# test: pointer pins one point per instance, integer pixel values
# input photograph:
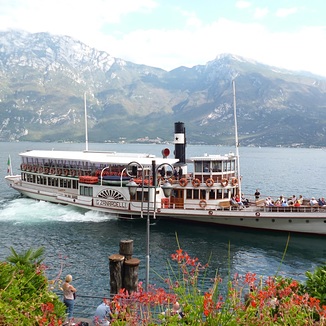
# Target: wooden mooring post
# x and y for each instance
(124, 269)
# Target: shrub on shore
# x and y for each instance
(25, 298)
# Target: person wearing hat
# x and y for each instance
(313, 201)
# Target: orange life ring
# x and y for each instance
(209, 182)
(46, 170)
(52, 171)
(35, 168)
(196, 182)
(224, 182)
(202, 203)
(183, 182)
(234, 181)
(23, 167)
(40, 170)
(65, 172)
(29, 168)
(59, 172)
(73, 172)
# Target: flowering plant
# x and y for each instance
(247, 300)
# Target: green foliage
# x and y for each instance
(316, 283)
(29, 257)
(25, 298)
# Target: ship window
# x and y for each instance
(225, 193)
(139, 196)
(196, 194)
(232, 165)
(219, 194)
(206, 167)
(212, 194)
(202, 194)
(189, 194)
(217, 166)
(86, 191)
(198, 166)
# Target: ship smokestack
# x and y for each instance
(180, 142)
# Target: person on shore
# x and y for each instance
(103, 314)
(175, 311)
(68, 298)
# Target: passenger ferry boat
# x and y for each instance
(131, 185)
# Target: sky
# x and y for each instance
(289, 34)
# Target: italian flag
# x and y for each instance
(9, 168)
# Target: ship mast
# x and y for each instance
(236, 136)
(86, 130)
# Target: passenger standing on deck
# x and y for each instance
(180, 172)
(68, 298)
(257, 194)
(163, 172)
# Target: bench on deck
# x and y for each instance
(227, 205)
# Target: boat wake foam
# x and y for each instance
(24, 210)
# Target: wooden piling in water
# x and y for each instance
(116, 270)
(124, 269)
(126, 248)
(130, 279)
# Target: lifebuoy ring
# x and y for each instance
(52, 171)
(35, 168)
(234, 181)
(224, 182)
(196, 182)
(23, 167)
(202, 203)
(257, 214)
(73, 172)
(65, 172)
(183, 182)
(29, 168)
(209, 182)
(46, 170)
(210, 212)
(40, 170)
(59, 172)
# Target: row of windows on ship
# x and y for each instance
(88, 191)
(82, 167)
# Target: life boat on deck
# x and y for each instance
(88, 179)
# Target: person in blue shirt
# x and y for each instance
(102, 314)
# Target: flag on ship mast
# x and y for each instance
(9, 167)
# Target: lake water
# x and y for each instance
(80, 241)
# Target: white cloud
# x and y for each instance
(284, 12)
(197, 43)
(260, 12)
(242, 4)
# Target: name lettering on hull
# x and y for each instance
(110, 203)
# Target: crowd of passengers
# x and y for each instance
(294, 201)
(243, 202)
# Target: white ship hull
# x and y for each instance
(306, 219)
